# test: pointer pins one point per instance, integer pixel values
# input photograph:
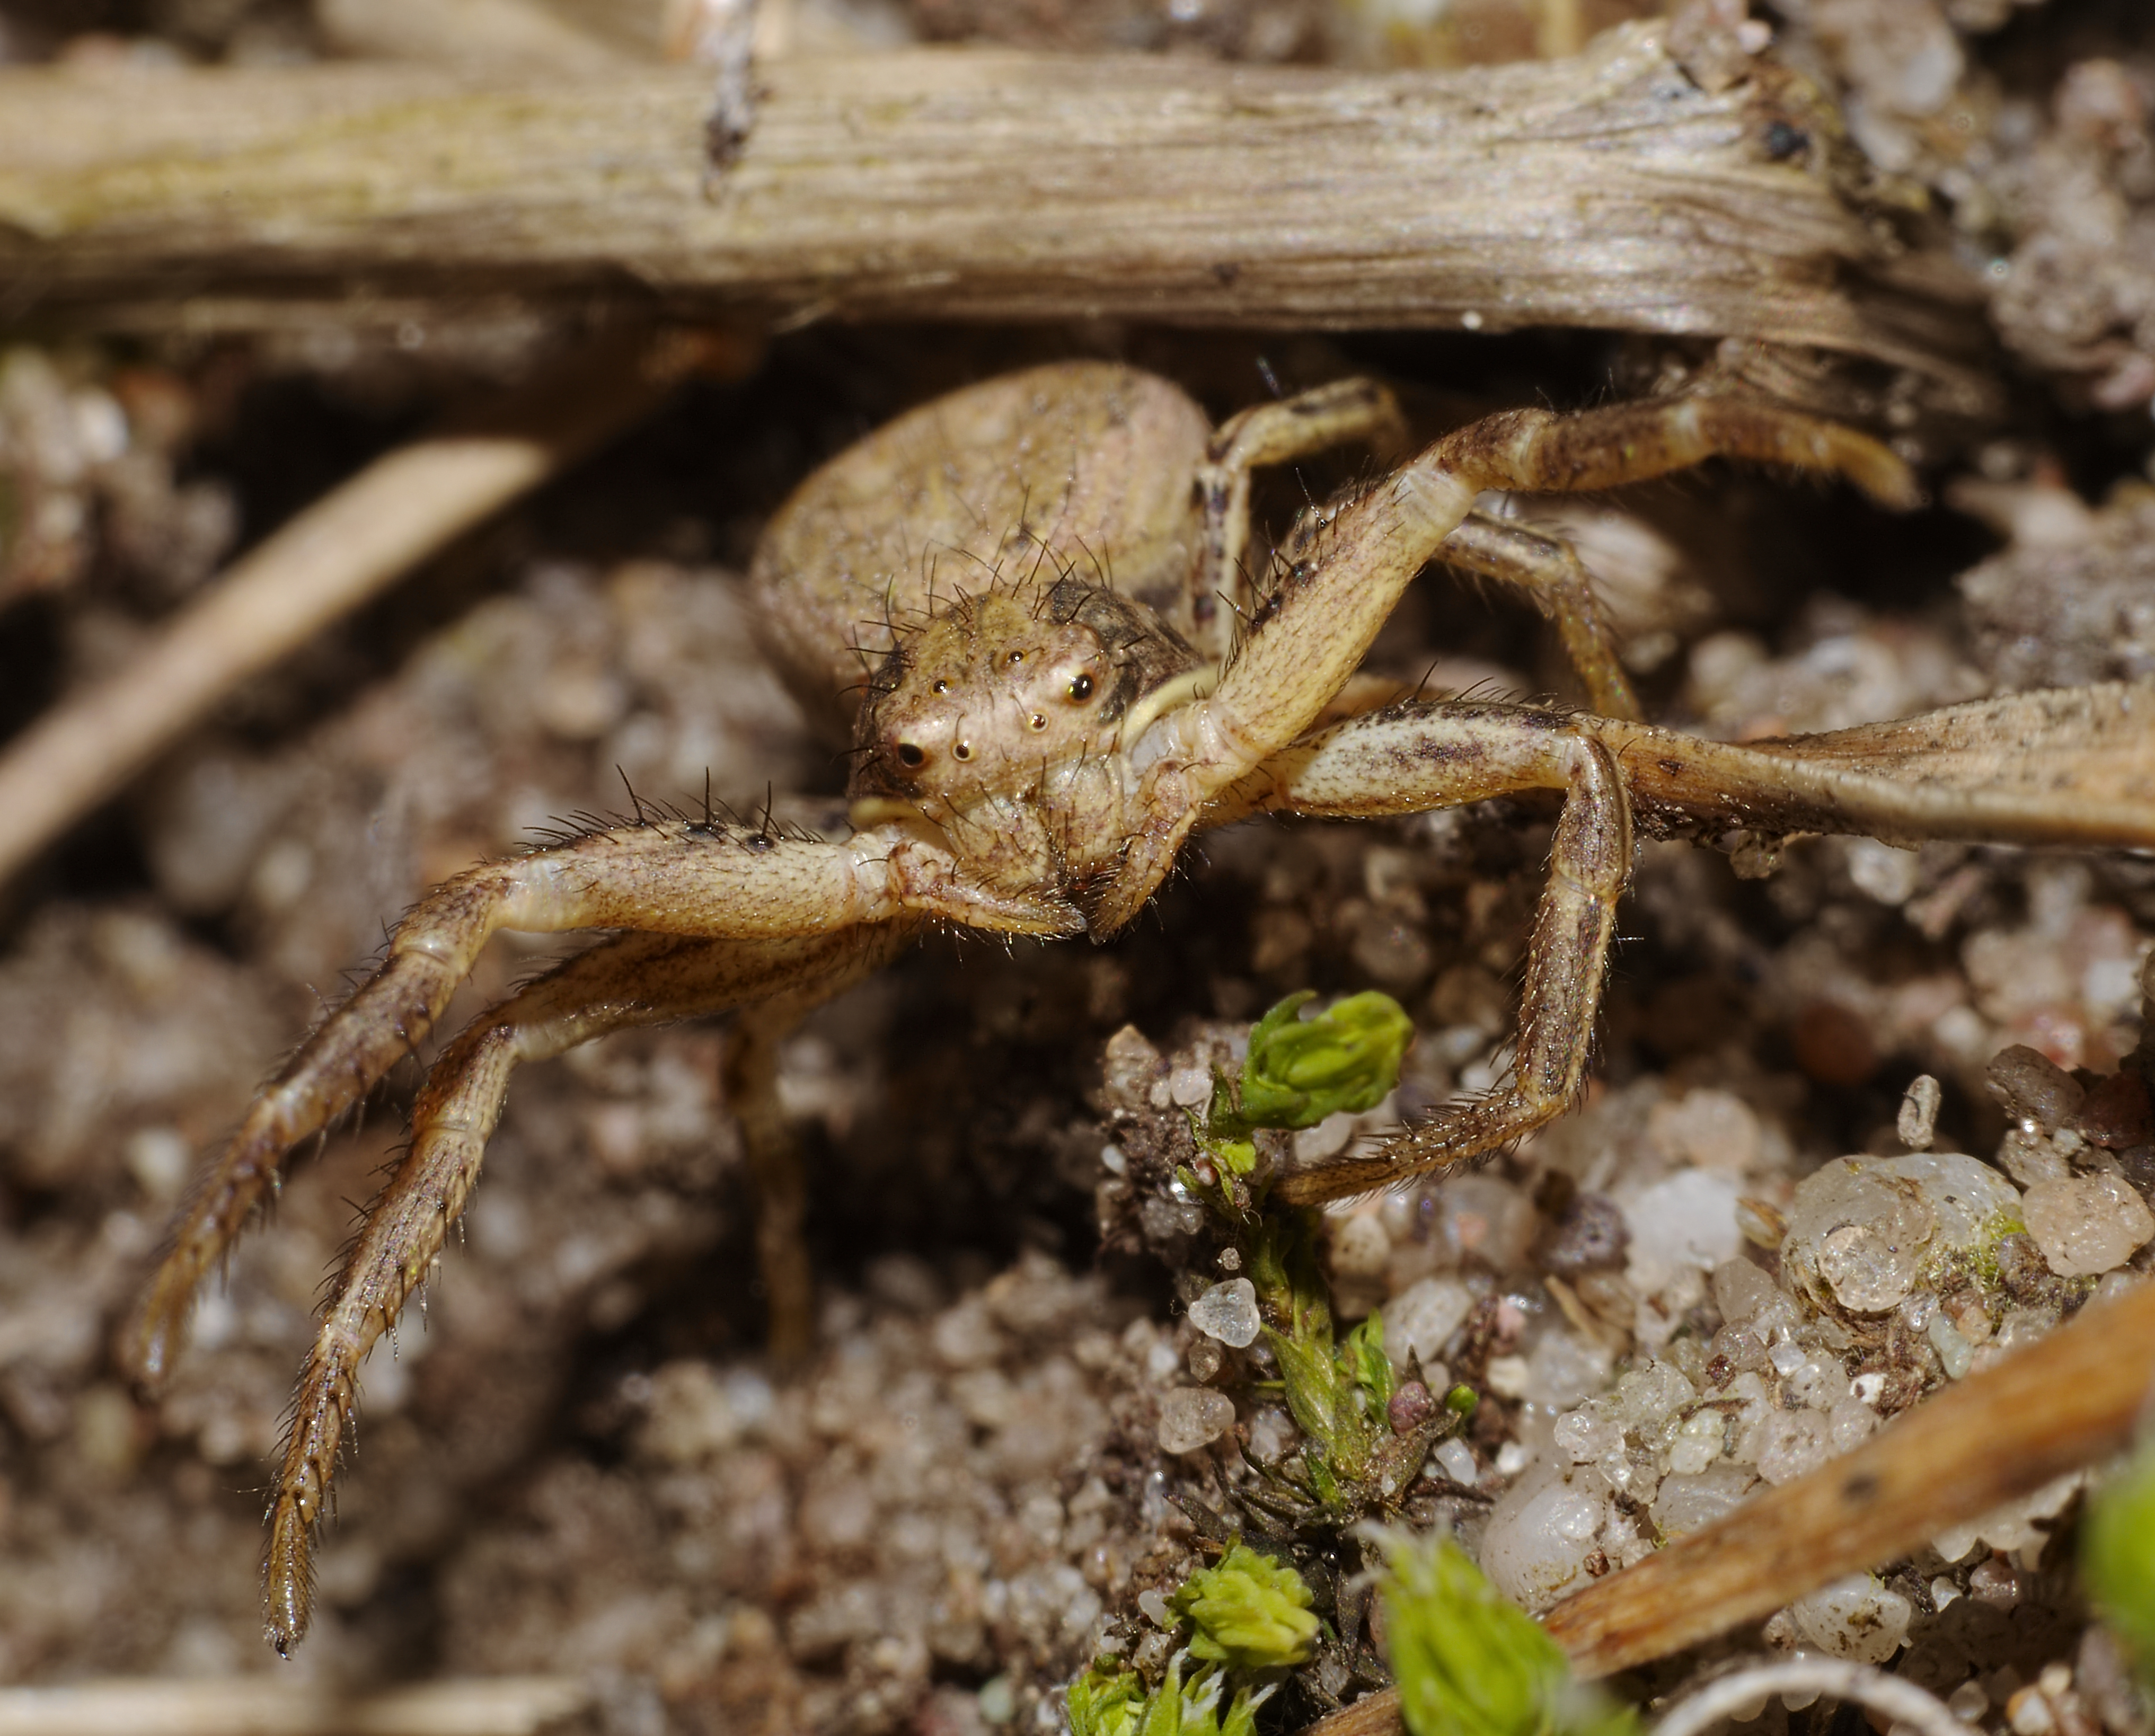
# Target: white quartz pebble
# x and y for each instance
(1190, 1417)
(1228, 1311)
(1855, 1618)
(1421, 1318)
(2086, 1224)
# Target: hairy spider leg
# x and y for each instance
(2068, 767)
(639, 980)
(1313, 631)
(1413, 758)
(1310, 422)
(1549, 569)
(1546, 569)
(664, 876)
(2073, 766)
(781, 1176)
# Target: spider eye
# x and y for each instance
(938, 687)
(1081, 689)
(909, 754)
(1037, 721)
(1016, 657)
(961, 751)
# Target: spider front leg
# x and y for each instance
(1309, 422)
(1413, 758)
(1312, 633)
(636, 980)
(673, 877)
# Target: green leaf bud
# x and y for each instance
(1299, 1071)
(1470, 1663)
(1109, 1700)
(2117, 1552)
(1250, 1611)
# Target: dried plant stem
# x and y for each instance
(1605, 189)
(2044, 1411)
(1730, 1696)
(261, 1706)
(332, 558)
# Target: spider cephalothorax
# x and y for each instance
(991, 691)
(1032, 760)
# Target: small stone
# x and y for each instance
(2117, 1113)
(1820, 1382)
(1869, 1268)
(1129, 1067)
(1955, 1352)
(1646, 1396)
(1855, 1618)
(2028, 1156)
(1272, 1435)
(1484, 1219)
(1685, 1502)
(2086, 1225)
(1863, 1230)
(1538, 1537)
(1360, 1248)
(1456, 1458)
(1917, 1123)
(1587, 1434)
(1995, 1582)
(1708, 1129)
(1327, 1138)
(1192, 1417)
(1228, 1311)
(1849, 1424)
(1887, 874)
(1421, 1318)
(1189, 1087)
(2033, 1088)
(1590, 1235)
(1205, 1360)
(1507, 1376)
(1563, 1369)
(1790, 1443)
(1698, 1444)
(1742, 1292)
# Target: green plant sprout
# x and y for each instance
(1298, 1071)
(2117, 1554)
(1253, 1615)
(1246, 1614)
(1250, 1612)
(1468, 1663)
(1109, 1700)
(1338, 1393)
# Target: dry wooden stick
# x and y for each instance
(261, 1706)
(1607, 190)
(2050, 1408)
(324, 563)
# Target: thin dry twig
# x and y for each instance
(343, 550)
(2050, 1408)
(1607, 190)
(1736, 1694)
(1742, 1689)
(260, 1706)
